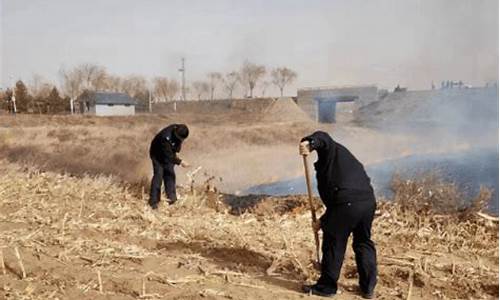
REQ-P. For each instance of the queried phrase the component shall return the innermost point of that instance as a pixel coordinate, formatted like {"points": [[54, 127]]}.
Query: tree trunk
{"points": [[150, 108], [14, 108], [281, 90]]}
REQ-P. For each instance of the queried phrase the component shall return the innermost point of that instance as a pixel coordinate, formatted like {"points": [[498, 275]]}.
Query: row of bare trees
{"points": [[77, 79], [248, 77], [95, 77]]}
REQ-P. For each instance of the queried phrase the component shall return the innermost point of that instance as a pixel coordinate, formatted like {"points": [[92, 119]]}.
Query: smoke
{"points": [[452, 133], [445, 118]]}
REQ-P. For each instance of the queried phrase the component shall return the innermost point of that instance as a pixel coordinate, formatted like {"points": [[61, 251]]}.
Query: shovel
{"points": [[311, 206]]}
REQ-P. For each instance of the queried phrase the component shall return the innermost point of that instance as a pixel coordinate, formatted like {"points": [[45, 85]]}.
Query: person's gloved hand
{"points": [[185, 164], [316, 225], [304, 148]]}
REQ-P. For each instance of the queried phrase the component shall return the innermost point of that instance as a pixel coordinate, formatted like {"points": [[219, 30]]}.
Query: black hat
{"points": [[181, 132]]}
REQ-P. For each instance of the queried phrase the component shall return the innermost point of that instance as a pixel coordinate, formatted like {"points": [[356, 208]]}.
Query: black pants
{"points": [[338, 223], [162, 172]]}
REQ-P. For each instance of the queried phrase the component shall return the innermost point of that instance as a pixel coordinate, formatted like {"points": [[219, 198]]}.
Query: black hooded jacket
{"points": [[341, 177], [165, 146]]}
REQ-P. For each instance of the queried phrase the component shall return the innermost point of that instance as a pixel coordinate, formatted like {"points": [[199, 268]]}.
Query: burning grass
{"points": [[91, 238]]}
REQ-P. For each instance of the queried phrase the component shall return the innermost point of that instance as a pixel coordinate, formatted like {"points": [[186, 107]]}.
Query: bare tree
{"points": [[71, 84], [165, 89], [82, 77], [282, 77], [173, 89], [230, 82], [3, 99], [160, 89], [93, 76], [133, 85], [39, 87], [188, 90], [250, 74], [264, 85], [214, 78], [201, 88], [112, 83]]}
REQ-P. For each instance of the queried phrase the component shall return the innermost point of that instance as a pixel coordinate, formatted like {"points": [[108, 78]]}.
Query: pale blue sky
{"points": [[383, 42]]}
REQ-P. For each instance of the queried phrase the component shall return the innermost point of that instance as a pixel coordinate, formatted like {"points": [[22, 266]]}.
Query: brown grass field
{"points": [[74, 223]]}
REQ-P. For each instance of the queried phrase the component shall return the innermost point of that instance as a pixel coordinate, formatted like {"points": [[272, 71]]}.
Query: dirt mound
{"points": [[284, 110]]}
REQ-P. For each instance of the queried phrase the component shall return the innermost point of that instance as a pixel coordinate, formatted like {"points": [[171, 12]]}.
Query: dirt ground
{"points": [[74, 222], [90, 238]]}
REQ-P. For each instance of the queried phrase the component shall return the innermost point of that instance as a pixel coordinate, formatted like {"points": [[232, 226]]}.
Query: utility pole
{"points": [[183, 71]]}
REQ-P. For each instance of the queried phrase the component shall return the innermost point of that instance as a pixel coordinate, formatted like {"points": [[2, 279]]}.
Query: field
{"points": [[74, 222]]}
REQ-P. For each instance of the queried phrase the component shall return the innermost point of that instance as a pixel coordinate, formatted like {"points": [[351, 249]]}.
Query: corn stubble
{"points": [[90, 237]]}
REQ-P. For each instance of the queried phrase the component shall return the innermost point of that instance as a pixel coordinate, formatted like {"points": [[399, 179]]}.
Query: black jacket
{"points": [[341, 177], [165, 146]]}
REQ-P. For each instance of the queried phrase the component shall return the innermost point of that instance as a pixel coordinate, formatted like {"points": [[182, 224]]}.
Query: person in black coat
{"points": [[346, 192], [163, 152]]}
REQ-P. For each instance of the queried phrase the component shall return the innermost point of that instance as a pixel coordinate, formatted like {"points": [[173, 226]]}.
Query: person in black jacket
{"points": [[163, 152], [346, 192]]}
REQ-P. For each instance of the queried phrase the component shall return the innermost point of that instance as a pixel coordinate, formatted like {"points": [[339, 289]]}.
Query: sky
{"points": [[330, 42]]}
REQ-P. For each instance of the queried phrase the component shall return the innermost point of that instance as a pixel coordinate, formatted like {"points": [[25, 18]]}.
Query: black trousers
{"points": [[162, 172], [337, 224]]}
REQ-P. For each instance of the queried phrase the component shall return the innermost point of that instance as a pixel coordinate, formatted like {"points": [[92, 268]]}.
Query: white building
{"points": [[106, 104]]}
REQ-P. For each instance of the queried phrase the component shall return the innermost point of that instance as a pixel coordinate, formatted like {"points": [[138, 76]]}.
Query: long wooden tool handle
{"points": [[311, 205]]}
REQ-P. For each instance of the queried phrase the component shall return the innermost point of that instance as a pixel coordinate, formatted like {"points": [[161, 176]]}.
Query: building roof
{"points": [[113, 98], [107, 98]]}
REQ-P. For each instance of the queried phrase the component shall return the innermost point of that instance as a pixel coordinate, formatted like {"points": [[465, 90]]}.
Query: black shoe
{"points": [[319, 290], [154, 205], [370, 295]]}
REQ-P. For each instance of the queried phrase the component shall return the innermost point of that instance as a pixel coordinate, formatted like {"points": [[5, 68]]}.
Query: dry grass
{"points": [[453, 235], [90, 238], [82, 145], [241, 150]]}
